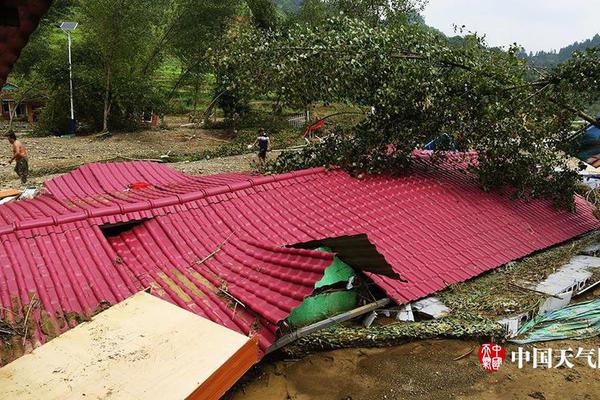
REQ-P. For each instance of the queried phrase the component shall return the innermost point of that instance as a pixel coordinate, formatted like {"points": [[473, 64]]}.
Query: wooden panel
{"points": [[9, 193], [142, 348]]}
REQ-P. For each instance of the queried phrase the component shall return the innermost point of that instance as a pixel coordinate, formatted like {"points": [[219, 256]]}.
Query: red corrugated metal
{"points": [[93, 185], [242, 281], [91, 190], [433, 228]]}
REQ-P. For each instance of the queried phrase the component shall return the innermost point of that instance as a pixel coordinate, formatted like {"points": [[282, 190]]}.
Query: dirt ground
{"points": [[51, 155], [422, 370]]}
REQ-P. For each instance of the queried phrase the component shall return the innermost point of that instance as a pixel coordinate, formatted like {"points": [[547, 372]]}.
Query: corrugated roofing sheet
{"points": [[433, 228], [91, 190]]}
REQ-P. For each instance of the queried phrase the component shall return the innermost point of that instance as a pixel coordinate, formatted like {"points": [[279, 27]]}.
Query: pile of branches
{"points": [[339, 337], [9, 330]]}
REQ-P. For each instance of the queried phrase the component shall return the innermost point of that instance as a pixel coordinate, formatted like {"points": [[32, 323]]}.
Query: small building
{"points": [[23, 111]]}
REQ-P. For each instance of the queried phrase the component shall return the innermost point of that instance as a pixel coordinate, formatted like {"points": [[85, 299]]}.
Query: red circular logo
{"points": [[491, 356]]}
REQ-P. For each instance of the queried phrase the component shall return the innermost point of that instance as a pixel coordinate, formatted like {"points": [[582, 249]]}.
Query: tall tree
{"points": [[122, 33], [420, 87], [264, 14], [196, 26]]}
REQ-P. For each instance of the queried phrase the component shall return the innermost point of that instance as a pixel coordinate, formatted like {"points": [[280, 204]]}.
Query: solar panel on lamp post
{"points": [[68, 27]]}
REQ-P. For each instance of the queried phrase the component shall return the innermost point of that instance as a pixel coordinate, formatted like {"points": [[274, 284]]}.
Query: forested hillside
{"points": [[552, 58]]}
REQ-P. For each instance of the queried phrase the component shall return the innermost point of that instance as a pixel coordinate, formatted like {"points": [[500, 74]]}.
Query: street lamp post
{"points": [[68, 27]]}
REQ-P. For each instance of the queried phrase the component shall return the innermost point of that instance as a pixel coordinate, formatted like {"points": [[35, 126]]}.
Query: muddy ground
{"points": [[422, 370]]}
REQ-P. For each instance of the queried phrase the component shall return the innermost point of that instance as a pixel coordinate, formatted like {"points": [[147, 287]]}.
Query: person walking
{"points": [[20, 156], [264, 145]]}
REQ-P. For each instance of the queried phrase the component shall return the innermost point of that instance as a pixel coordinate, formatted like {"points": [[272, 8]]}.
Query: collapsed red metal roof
{"points": [[215, 245], [18, 20]]}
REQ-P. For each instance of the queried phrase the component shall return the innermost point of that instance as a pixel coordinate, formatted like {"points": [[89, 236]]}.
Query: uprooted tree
{"points": [[491, 101]]}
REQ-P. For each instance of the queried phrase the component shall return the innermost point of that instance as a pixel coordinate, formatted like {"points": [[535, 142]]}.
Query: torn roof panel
{"points": [[63, 278], [269, 280], [434, 229]]}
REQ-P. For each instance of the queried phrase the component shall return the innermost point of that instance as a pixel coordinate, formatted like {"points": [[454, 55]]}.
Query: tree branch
{"points": [[586, 117]]}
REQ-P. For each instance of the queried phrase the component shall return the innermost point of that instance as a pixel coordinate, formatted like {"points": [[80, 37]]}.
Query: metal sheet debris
{"points": [[553, 303], [29, 193], [577, 321], [574, 276], [431, 306]]}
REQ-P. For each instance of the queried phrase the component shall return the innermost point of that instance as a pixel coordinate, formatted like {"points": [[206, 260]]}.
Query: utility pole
{"points": [[68, 27]]}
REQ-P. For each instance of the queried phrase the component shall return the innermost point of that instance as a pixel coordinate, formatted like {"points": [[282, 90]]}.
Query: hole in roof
{"points": [[110, 230], [356, 251], [9, 16]]}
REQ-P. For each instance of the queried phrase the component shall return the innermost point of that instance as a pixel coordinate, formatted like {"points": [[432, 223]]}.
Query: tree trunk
{"points": [[107, 102], [11, 112]]}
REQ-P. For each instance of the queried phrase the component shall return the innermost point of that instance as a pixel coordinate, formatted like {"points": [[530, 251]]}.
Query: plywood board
{"points": [[9, 193], [142, 348]]}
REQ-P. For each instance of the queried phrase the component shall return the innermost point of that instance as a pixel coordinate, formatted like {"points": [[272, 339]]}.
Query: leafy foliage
{"points": [[111, 48], [121, 34], [420, 87], [371, 54]]}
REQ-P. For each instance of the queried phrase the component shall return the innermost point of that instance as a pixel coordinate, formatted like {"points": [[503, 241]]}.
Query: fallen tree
{"points": [[420, 86]]}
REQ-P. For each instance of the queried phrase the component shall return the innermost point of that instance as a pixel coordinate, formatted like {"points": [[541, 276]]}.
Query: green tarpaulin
{"points": [[321, 306]]}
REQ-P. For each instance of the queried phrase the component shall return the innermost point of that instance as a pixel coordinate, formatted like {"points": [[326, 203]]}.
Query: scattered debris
{"points": [[578, 275], [307, 330], [8, 199], [9, 193], [432, 307], [577, 321], [513, 324], [574, 277], [29, 193], [464, 355], [402, 313]]}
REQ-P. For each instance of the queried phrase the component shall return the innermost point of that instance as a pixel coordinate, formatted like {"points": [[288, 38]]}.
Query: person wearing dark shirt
{"points": [[264, 145]]}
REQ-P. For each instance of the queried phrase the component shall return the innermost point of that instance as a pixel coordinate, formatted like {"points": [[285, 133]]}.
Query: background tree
{"points": [[265, 14], [121, 33], [197, 26]]}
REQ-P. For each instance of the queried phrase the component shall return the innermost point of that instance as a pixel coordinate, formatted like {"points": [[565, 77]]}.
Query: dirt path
{"points": [[50, 156], [423, 370], [8, 178]]}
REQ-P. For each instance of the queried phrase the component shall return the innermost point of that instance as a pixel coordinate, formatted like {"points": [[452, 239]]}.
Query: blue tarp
{"points": [[587, 148], [444, 142]]}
